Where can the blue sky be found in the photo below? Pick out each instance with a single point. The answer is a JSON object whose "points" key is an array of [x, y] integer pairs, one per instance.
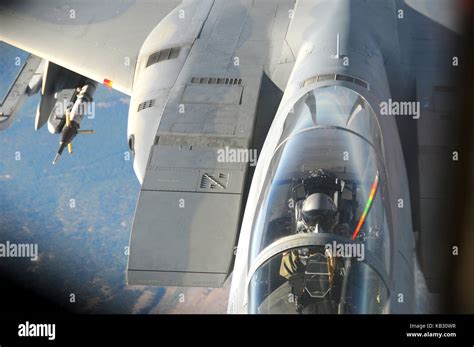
{"points": [[82, 249]]}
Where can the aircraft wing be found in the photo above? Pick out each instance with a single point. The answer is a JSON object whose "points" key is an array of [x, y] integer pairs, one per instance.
{"points": [[97, 39], [194, 189]]}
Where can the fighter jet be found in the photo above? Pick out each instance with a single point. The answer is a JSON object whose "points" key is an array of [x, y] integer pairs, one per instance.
{"points": [[343, 100]]}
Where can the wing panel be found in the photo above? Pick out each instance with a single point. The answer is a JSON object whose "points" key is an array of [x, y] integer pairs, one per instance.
{"points": [[97, 39]]}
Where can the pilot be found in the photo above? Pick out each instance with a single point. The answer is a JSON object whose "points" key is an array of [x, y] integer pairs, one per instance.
{"points": [[318, 214]]}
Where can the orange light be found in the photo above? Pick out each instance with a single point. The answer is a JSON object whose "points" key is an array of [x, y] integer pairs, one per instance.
{"points": [[108, 83]]}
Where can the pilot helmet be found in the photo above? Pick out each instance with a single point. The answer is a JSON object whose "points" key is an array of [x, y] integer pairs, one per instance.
{"points": [[319, 209]]}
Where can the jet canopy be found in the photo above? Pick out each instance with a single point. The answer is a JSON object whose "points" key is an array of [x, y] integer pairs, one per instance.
{"points": [[321, 238]]}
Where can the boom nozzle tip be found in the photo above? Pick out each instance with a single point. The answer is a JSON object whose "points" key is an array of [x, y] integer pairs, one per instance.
{"points": [[56, 158]]}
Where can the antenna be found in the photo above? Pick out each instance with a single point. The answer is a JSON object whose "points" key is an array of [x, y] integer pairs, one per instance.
{"points": [[338, 47]]}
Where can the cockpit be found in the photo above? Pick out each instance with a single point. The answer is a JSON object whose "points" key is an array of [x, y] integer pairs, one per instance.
{"points": [[321, 236]]}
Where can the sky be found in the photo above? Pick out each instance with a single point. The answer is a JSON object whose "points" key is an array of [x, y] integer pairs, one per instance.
{"points": [[79, 211]]}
